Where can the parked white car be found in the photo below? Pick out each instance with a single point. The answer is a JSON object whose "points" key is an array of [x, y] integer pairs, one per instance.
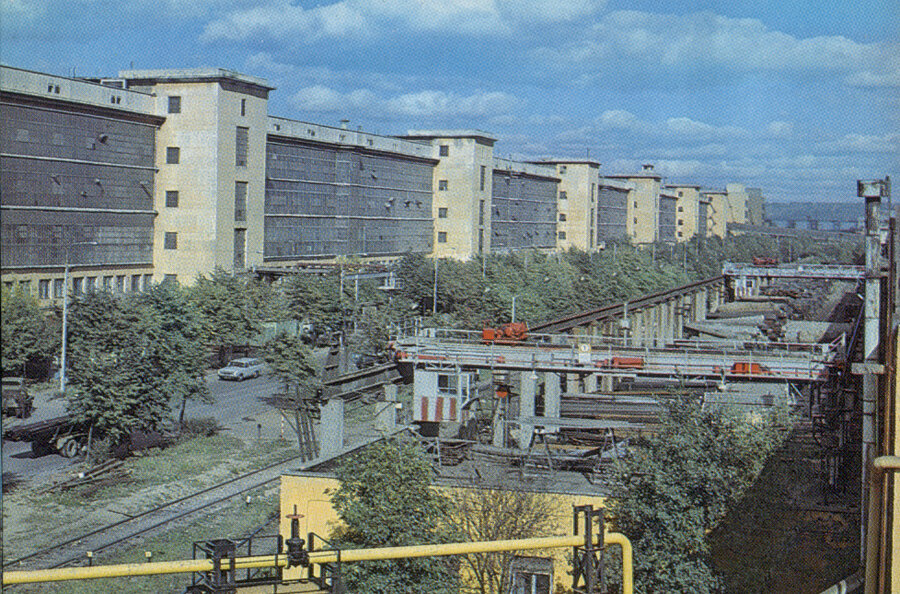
{"points": [[241, 369]]}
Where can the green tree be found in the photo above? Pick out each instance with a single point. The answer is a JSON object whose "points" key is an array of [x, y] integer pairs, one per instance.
{"points": [[230, 307], [493, 514], [175, 329], [292, 361], [315, 299], [117, 377], [385, 500], [678, 484], [30, 339]]}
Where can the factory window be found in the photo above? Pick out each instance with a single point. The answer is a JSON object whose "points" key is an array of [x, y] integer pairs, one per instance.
{"points": [[170, 279], [680, 209], [171, 240], [562, 217], [241, 146], [148, 282], [135, 283], [442, 237], [444, 151], [240, 248], [680, 234], [57, 288], [120, 283], [635, 220], [483, 174], [108, 283], [563, 195], [44, 288], [173, 155], [635, 204], [243, 107], [562, 168], [174, 104], [562, 234], [240, 201], [78, 286], [681, 221], [442, 185], [481, 212], [171, 198], [91, 284], [442, 213]]}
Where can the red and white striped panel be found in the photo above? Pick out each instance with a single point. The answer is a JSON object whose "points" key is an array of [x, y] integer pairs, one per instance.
{"points": [[437, 409]]}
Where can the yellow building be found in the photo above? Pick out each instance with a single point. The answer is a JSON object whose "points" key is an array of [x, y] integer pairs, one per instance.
{"points": [[309, 495], [717, 212], [687, 211], [210, 187], [642, 220], [737, 198], [577, 206]]}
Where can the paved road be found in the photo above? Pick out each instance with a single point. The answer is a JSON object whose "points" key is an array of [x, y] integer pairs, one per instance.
{"points": [[240, 407]]}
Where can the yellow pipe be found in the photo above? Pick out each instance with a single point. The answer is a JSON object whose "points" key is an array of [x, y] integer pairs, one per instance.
{"points": [[320, 557], [874, 529]]}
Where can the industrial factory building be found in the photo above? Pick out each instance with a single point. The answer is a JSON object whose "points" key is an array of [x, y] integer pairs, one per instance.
{"points": [[170, 174]]}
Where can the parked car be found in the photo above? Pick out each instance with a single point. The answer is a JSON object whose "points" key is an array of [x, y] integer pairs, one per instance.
{"points": [[16, 400], [241, 369]]}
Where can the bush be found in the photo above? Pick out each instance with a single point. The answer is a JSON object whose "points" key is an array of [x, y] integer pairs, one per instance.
{"points": [[199, 427]]}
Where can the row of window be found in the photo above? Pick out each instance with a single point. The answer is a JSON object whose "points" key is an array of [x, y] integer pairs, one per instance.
{"points": [[241, 149], [53, 288], [240, 200]]}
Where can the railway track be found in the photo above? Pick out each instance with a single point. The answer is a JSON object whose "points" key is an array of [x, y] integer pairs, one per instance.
{"points": [[111, 535], [616, 310]]}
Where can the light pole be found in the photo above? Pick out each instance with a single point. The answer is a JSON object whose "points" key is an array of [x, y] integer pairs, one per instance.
{"points": [[434, 297], [65, 316], [513, 315]]}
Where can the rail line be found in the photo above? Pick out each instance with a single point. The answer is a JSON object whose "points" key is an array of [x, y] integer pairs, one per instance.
{"points": [[147, 514], [617, 309]]}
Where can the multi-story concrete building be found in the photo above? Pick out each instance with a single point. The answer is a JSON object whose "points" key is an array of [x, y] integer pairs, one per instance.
{"points": [[612, 208], [642, 220], [462, 181], [78, 183], [687, 211], [524, 206], [736, 203], [756, 206], [333, 191], [717, 212], [211, 176], [576, 225], [668, 201], [170, 174]]}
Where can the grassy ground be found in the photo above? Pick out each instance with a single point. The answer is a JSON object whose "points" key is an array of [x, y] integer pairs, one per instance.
{"points": [[35, 520], [236, 521]]}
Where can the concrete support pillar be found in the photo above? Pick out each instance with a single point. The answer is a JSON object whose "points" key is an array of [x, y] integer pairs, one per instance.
{"points": [[590, 383], [331, 429], [386, 412], [552, 391], [527, 392], [607, 383], [680, 309]]}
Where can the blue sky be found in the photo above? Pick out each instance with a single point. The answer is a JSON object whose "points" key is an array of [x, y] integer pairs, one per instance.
{"points": [[799, 98]]}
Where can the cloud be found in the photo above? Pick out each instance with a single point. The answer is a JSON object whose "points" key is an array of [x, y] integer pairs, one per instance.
{"points": [[282, 20], [863, 143], [429, 104], [440, 103], [780, 129], [699, 40]]}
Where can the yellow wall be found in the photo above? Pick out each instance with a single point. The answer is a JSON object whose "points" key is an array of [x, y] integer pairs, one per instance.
{"points": [[686, 211], [579, 180], [717, 223], [461, 169], [205, 179], [311, 494]]}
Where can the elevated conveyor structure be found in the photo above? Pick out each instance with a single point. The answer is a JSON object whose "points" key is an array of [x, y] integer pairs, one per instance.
{"points": [[712, 360]]}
